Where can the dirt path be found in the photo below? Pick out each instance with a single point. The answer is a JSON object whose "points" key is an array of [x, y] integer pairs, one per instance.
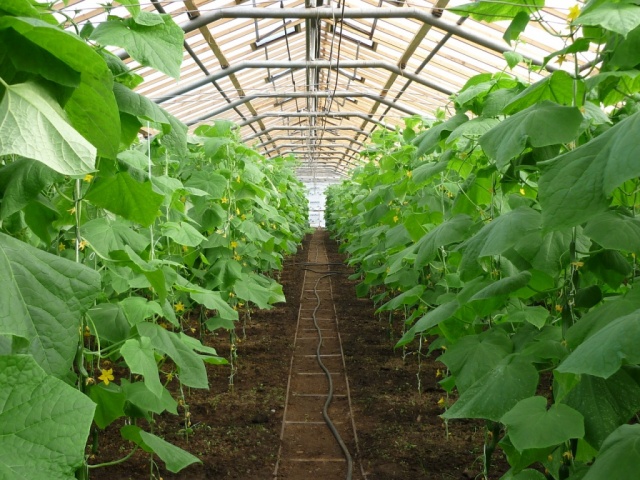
{"points": [[244, 433], [318, 432]]}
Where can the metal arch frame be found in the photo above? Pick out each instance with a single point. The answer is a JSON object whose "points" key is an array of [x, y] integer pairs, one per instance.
{"points": [[300, 128], [361, 115], [306, 139], [350, 13], [309, 94], [299, 65]]}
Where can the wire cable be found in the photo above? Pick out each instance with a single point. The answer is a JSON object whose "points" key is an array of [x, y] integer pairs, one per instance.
{"points": [[325, 413]]}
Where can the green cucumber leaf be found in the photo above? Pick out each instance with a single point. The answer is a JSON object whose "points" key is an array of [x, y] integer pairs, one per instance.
{"points": [[33, 125], [44, 423], [603, 353], [577, 184], [531, 425], [542, 124], [123, 195], [474, 355], [42, 299], [157, 46], [605, 403], [497, 392], [619, 455], [140, 358]]}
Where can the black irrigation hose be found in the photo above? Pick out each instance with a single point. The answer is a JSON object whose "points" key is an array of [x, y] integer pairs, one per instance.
{"points": [[325, 409]]}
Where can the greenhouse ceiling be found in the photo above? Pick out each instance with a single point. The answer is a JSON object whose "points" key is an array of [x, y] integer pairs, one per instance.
{"points": [[315, 78]]}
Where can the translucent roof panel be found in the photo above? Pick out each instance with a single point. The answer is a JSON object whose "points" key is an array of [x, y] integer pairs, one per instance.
{"points": [[314, 78]]}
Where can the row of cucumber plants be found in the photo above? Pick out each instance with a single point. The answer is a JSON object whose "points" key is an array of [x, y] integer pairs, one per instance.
{"points": [[504, 236], [108, 238]]}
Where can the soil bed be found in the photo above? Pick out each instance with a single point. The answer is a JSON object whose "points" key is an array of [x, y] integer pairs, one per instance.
{"points": [[236, 433]]}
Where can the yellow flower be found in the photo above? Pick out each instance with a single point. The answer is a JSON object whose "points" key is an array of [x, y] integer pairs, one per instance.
{"points": [[185, 248], [561, 59], [574, 12], [558, 308], [234, 244], [231, 294], [237, 257], [409, 174], [82, 245], [577, 264], [522, 192], [61, 247], [441, 402], [179, 307], [107, 376], [395, 218], [568, 455], [72, 211], [438, 373], [88, 177], [237, 211], [224, 200], [243, 216], [169, 376]]}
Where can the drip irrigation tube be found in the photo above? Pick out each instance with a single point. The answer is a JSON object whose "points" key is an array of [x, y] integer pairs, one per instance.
{"points": [[325, 409]]}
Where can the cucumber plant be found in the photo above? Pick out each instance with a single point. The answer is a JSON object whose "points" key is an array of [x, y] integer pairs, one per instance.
{"points": [[506, 229], [105, 236]]}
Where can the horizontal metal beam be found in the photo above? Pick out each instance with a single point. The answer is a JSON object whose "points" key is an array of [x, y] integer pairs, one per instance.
{"points": [[299, 148], [329, 12], [324, 138], [305, 94], [299, 65], [280, 114], [301, 128]]}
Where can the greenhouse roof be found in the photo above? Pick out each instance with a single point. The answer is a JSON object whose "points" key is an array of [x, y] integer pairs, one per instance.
{"points": [[315, 78]]}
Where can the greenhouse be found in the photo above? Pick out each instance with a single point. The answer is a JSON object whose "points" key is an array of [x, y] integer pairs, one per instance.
{"points": [[354, 239]]}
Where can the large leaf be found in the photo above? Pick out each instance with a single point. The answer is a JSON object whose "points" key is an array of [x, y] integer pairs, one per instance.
{"points": [[430, 320], [105, 235], [547, 252], [174, 457], [190, 366], [605, 404], [603, 353], [497, 237], [140, 358], [157, 46], [576, 185], [123, 195], [21, 182], [615, 231], [253, 288], [428, 140], [474, 355], [603, 315], [42, 299], [542, 124], [452, 231], [497, 392], [489, 11], [619, 456], [183, 233], [33, 125], [503, 287], [138, 105], [531, 425], [44, 423], [92, 107], [619, 17], [559, 87], [210, 299]]}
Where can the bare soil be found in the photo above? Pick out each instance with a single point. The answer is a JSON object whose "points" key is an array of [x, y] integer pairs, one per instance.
{"points": [[236, 431]]}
